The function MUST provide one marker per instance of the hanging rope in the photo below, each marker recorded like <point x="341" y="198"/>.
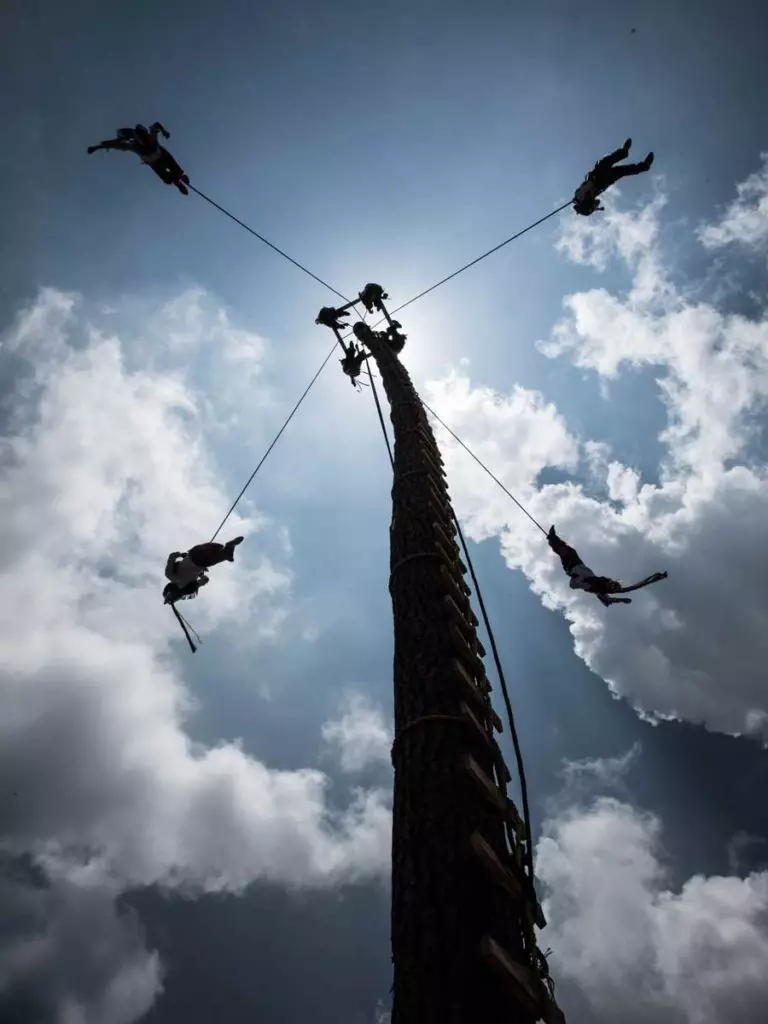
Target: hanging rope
<point x="490" y="252"/>
<point x="266" y="241"/>
<point x="184" y="625"/>
<point x="381" y="414"/>
<point x="190" y="627"/>
<point x="483" y="466"/>
<point x="263" y="459"/>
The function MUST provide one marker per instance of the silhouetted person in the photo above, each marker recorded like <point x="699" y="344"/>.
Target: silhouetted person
<point x="186" y="571"/>
<point x="604" y="174"/>
<point x="353" y="360"/>
<point x="143" y="142"/>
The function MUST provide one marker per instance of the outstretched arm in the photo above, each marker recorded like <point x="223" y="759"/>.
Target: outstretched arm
<point x="120" y="144"/>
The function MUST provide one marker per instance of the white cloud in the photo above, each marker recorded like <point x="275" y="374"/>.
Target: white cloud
<point x="694" y="646"/>
<point x="66" y="954"/>
<point x="746" y="219"/>
<point x="516" y="436"/>
<point x="361" y="736"/>
<point x="105" y="469"/>
<point x="381" y="1016"/>
<point x="634" y="946"/>
<point x="582" y="778"/>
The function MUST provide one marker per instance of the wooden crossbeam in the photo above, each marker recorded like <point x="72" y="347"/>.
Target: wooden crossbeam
<point x="486" y="785"/>
<point x="520" y="979"/>
<point x="464" y="679"/>
<point x="498" y="873"/>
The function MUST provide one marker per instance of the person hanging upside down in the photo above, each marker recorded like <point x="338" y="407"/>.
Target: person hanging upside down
<point x="352" y="363"/>
<point x="395" y="336"/>
<point x="604" y="174"/>
<point x="186" y="571"/>
<point x="143" y="142"/>
<point x="372" y="297"/>
<point x="582" y="577"/>
<point x="334" y="318"/>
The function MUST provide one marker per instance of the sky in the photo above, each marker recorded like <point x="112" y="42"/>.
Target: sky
<point x="187" y="838"/>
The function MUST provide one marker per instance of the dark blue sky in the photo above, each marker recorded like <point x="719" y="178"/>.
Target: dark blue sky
<point x="387" y="142"/>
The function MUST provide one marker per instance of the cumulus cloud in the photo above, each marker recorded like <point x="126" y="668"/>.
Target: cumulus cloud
<point x="581" y="778"/>
<point x="67" y="954"/>
<point x="517" y="435"/>
<point x="360" y="736"/>
<point x="745" y="221"/>
<point x="693" y="647"/>
<point x="633" y="945"/>
<point x="105" y="469"/>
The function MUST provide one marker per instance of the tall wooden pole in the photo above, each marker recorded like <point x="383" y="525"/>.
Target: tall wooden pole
<point x="463" y="909"/>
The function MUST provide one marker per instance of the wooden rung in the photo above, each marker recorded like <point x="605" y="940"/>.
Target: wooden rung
<point x="469" y="714"/>
<point x="479" y="648"/>
<point x="501" y="764"/>
<point x="450" y="528"/>
<point x="524" y="983"/>
<point x="499" y="874"/>
<point x="455" y="613"/>
<point x="463" y="650"/>
<point x="464" y="679"/>
<point x="446" y="552"/>
<point x="431" y="443"/>
<point x="430" y="449"/>
<point x="538" y="916"/>
<point x="444" y="537"/>
<point x="498" y="725"/>
<point x="485" y="784"/>
<point x="433" y="458"/>
<point x="458" y="595"/>
<point x="439" y="498"/>
<point x="439" y="508"/>
<point x="517" y="822"/>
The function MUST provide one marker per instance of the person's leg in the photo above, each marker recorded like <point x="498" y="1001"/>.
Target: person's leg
<point x="159" y="168"/>
<point x="174" y="170"/>
<point x="607" y="162"/>
<point x="206" y="555"/>
<point x="614" y="174"/>
<point x="604" y="585"/>
<point x="569" y="557"/>
<point x="229" y="547"/>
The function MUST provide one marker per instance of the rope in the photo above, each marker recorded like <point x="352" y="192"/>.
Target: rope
<point x="466" y="266"/>
<point x="490" y="252"/>
<point x="483" y="466"/>
<point x="381" y="415"/>
<point x="190" y="627"/>
<point x="266" y="241"/>
<point x="263" y="459"/>
<point x="507" y="704"/>
<point x="182" y="623"/>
